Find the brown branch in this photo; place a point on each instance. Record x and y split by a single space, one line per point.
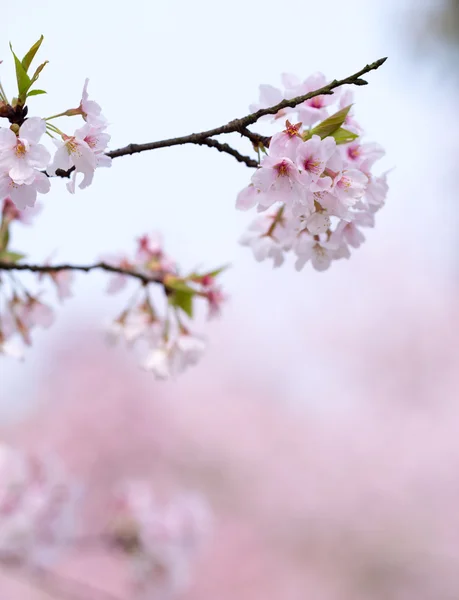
145 279
225 148
256 138
240 125
250 162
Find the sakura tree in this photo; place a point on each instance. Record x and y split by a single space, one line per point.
313 188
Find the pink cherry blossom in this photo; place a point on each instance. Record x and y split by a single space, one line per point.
171 358
279 179
24 195
312 157
248 198
319 252
36 507
74 152
167 536
287 142
318 222
21 155
376 191
263 244
11 213
315 109
97 139
91 111
63 281
34 312
349 186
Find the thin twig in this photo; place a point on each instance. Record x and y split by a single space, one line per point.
250 162
225 148
146 279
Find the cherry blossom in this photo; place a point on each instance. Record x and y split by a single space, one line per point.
287 142
75 152
318 184
161 538
91 111
63 281
173 357
21 155
11 213
312 157
24 195
279 179
36 508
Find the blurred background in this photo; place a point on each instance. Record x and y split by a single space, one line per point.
322 424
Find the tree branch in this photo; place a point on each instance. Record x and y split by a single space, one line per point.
145 279
240 125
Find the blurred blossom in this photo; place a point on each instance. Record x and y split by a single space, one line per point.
161 539
36 508
340 505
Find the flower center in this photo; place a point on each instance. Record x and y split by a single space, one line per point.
91 141
316 102
292 130
312 165
344 183
282 169
72 147
20 149
353 152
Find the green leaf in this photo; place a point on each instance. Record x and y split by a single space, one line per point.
22 78
179 285
182 300
11 257
343 136
35 92
213 273
38 70
28 58
217 272
330 125
4 236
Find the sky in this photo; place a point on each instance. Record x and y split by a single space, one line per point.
161 69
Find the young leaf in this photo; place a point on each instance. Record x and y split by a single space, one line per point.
4 236
216 272
173 283
28 58
35 92
332 124
343 136
213 273
182 300
38 70
11 257
22 78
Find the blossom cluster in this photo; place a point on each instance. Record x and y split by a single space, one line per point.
161 538
36 508
25 163
21 309
171 347
39 523
315 188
